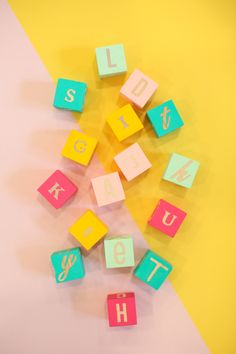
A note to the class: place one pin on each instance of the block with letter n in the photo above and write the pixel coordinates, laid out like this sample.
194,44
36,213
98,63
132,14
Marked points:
121,309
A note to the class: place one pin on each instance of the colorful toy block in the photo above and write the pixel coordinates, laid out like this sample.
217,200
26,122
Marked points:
132,161
167,218
119,252
138,89
121,309
70,95
88,229
152,269
111,60
79,147
165,118
108,189
68,265
57,189
181,170
124,122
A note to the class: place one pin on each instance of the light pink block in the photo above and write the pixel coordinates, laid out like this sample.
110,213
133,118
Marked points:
57,189
121,309
167,218
132,161
108,189
138,89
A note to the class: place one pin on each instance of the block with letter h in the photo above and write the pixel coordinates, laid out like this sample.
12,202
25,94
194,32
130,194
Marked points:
68,265
57,189
152,269
119,252
121,309
70,95
111,60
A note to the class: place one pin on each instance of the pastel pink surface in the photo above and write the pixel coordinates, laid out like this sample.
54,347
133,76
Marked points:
123,302
167,218
62,189
132,161
138,89
108,189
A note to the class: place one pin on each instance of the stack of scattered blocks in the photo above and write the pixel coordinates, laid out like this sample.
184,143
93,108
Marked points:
132,162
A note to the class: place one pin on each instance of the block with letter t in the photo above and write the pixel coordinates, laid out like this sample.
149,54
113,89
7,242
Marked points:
121,309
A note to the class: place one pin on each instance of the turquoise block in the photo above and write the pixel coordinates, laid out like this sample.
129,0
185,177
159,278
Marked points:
181,170
111,60
68,265
70,95
119,252
165,118
152,269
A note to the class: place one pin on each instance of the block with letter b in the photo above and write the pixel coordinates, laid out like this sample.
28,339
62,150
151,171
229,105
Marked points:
57,189
165,118
138,89
68,265
181,170
152,269
167,218
70,95
119,252
121,309
111,60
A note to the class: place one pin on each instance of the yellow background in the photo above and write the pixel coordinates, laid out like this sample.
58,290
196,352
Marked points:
188,47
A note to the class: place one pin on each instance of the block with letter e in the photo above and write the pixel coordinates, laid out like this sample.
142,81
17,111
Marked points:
121,309
119,252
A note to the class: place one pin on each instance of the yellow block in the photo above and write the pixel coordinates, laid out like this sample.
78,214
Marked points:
88,229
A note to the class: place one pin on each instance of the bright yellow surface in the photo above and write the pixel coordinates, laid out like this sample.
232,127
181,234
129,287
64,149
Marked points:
189,48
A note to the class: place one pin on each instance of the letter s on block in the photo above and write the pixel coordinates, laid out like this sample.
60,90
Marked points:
70,94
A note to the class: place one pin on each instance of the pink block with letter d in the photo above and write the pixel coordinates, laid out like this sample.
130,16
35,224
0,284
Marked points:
167,218
121,309
57,189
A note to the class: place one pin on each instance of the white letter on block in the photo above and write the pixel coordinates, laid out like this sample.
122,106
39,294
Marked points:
70,93
140,87
164,220
108,53
119,251
56,189
158,265
182,174
120,312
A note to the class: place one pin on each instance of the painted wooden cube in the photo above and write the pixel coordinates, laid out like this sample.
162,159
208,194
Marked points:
124,122
68,265
108,189
57,189
88,229
79,147
132,161
111,60
138,89
165,118
121,309
70,95
119,252
152,269
167,218
181,170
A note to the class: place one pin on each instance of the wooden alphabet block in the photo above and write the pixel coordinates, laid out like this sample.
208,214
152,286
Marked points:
121,309
167,218
124,122
165,118
138,89
181,170
88,229
119,252
57,189
152,269
111,60
70,95
132,161
108,189
68,265
79,147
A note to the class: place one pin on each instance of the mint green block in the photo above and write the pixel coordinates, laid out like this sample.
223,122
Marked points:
70,95
181,170
68,265
111,60
119,252
152,269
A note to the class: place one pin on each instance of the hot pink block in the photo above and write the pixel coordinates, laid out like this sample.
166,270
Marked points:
167,218
121,309
138,88
57,189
